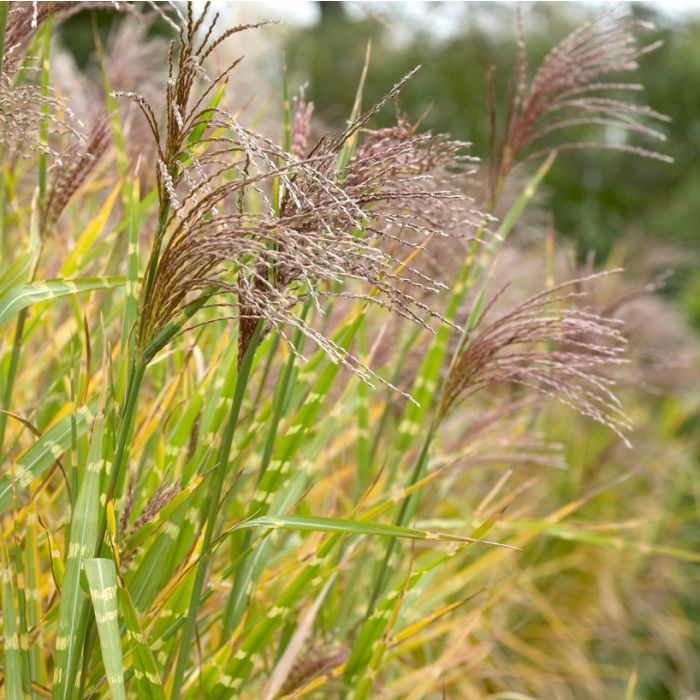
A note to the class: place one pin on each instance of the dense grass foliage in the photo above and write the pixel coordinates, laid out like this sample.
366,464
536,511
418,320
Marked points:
295,414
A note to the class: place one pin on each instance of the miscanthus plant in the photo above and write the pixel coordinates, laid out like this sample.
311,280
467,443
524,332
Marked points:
237,390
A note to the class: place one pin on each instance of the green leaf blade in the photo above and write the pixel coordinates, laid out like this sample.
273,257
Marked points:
101,575
25,295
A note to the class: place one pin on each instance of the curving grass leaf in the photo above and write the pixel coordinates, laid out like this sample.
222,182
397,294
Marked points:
21,297
44,452
351,527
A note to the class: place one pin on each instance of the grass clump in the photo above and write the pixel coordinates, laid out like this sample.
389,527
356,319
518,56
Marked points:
258,442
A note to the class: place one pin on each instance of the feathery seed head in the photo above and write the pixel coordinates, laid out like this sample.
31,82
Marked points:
24,18
550,346
331,223
158,500
24,104
69,177
570,89
301,127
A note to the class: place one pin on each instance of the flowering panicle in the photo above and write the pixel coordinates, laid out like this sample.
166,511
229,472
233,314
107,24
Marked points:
21,118
301,127
331,223
330,228
314,662
24,105
549,346
158,500
24,18
182,120
69,177
570,89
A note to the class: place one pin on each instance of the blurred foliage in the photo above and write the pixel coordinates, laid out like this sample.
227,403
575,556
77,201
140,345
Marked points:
596,198
691,299
77,34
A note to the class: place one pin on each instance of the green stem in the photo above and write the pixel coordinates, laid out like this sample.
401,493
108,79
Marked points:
237,597
215,489
137,371
15,356
407,508
12,373
121,451
137,366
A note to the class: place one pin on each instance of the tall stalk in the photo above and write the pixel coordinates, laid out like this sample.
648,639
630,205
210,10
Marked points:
131,397
474,270
214,497
406,509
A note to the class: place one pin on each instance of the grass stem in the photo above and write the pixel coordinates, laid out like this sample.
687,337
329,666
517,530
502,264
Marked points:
214,497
